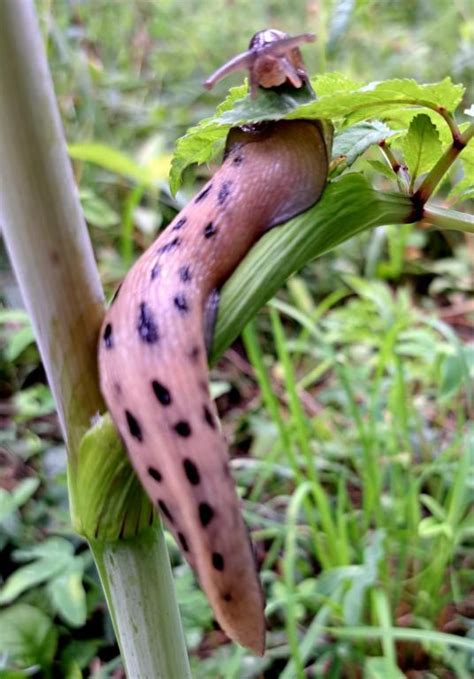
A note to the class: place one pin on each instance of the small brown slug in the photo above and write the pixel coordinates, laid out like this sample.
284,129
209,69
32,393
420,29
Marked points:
155,335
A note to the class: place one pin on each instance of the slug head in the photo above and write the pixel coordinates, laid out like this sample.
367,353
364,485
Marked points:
272,59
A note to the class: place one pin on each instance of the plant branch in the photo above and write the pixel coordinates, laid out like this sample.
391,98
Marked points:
450,121
442,218
400,170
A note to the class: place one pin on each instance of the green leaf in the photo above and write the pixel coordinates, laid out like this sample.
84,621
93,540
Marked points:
112,160
107,500
24,491
355,140
382,168
34,401
52,556
68,596
338,99
18,341
421,146
452,375
27,635
96,211
7,504
380,98
381,668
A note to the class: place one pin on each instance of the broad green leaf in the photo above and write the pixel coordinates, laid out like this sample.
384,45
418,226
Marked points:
328,84
13,316
452,375
107,500
27,635
379,98
465,187
338,99
24,490
381,668
68,596
18,341
52,556
382,168
7,504
112,160
353,141
51,548
34,401
421,146
96,211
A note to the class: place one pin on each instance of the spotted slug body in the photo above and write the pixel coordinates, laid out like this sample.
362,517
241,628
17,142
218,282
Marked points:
153,356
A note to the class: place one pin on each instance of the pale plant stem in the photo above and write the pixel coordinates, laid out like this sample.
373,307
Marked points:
52,257
448,219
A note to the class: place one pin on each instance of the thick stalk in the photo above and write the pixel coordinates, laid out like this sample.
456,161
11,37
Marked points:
443,218
51,254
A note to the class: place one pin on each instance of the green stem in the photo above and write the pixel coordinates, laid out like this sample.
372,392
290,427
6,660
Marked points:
400,171
448,219
51,254
153,627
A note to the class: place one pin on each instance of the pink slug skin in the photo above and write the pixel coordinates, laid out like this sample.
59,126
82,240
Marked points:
153,364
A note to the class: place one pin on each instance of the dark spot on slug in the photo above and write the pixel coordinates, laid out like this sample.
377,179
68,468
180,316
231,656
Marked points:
206,513
164,508
170,245
185,273
218,561
117,389
203,194
161,392
108,340
182,428
191,471
224,192
155,474
227,597
133,426
208,416
147,327
155,271
194,354
181,303
183,542
238,159
179,224
210,230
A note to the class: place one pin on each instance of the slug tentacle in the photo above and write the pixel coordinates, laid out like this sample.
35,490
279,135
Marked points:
153,355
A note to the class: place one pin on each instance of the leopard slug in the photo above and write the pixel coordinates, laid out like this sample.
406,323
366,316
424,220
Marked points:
154,339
